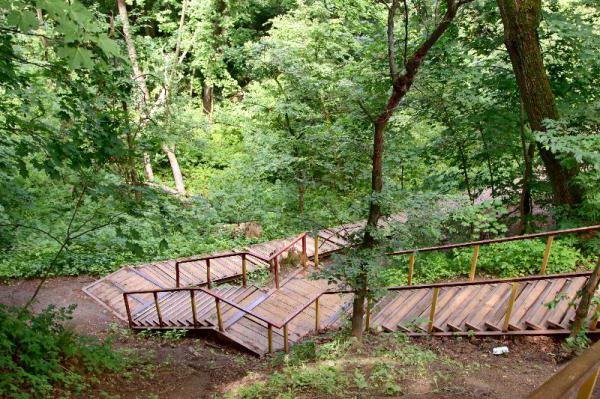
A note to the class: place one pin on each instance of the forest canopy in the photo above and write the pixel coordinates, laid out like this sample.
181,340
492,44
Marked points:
144,130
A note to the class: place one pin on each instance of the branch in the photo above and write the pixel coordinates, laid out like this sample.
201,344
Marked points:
17,225
405,31
366,111
391,41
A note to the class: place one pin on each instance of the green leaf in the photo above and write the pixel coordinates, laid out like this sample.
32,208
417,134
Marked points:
23,20
77,57
108,46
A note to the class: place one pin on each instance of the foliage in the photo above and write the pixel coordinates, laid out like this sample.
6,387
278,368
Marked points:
41,357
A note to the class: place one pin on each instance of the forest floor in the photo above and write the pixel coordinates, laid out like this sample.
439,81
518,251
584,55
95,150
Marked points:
386,365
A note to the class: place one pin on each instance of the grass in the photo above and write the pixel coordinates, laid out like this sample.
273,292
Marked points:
384,365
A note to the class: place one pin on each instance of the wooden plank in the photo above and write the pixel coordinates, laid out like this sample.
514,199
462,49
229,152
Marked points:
557,318
407,321
401,308
453,305
535,320
494,321
475,321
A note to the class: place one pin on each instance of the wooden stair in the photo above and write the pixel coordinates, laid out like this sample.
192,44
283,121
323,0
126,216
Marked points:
481,309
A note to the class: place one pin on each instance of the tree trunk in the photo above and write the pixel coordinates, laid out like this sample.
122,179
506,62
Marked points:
587,294
301,192
148,172
521,19
401,84
207,99
138,76
525,204
177,176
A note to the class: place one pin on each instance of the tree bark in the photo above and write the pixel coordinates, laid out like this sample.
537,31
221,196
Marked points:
401,84
526,203
587,294
521,19
138,76
177,176
148,172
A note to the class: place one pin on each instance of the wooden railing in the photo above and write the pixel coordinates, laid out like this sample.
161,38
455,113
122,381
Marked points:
576,380
244,255
273,260
437,286
549,235
282,325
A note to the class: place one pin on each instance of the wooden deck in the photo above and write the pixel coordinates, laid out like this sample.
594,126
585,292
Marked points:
266,319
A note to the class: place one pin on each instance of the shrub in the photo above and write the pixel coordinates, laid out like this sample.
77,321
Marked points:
40,357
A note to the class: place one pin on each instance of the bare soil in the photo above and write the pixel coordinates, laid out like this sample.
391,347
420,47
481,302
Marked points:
201,367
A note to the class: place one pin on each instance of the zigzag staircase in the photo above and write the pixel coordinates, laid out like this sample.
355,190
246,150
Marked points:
199,293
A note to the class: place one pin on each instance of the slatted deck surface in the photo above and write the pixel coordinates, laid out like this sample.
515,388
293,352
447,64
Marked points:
481,309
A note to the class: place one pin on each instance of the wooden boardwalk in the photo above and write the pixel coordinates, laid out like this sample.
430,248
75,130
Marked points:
293,304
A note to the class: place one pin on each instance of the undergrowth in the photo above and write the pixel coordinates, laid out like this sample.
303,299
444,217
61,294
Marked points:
41,358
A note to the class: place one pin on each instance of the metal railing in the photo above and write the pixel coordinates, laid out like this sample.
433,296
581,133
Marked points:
477,244
576,380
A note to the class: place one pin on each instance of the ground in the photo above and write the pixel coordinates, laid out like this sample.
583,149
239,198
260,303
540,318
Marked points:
386,365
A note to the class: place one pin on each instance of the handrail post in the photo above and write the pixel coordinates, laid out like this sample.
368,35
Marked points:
317,321
368,317
511,303
286,344
411,268
193,303
177,274
270,337
127,309
276,271
219,316
474,263
316,254
208,281
304,256
244,277
436,292
546,254
160,319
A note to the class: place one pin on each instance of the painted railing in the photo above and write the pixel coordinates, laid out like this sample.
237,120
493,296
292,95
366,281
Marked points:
245,256
549,235
515,282
270,324
576,380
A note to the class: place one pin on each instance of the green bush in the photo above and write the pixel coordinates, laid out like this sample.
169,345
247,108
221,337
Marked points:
40,358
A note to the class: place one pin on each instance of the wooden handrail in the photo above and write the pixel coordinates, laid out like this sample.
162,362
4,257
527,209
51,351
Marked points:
576,379
465,283
497,240
301,309
287,247
206,291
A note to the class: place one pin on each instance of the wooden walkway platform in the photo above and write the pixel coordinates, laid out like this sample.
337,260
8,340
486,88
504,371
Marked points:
206,293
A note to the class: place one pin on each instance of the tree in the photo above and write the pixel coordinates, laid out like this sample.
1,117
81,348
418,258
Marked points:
521,20
401,84
140,78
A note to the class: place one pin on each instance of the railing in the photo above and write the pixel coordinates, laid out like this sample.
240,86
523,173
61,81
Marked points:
576,380
244,255
437,286
273,260
218,300
476,244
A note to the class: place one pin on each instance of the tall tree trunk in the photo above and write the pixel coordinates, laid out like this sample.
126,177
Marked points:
587,294
525,204
138,76
177,176
521,19
401,84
